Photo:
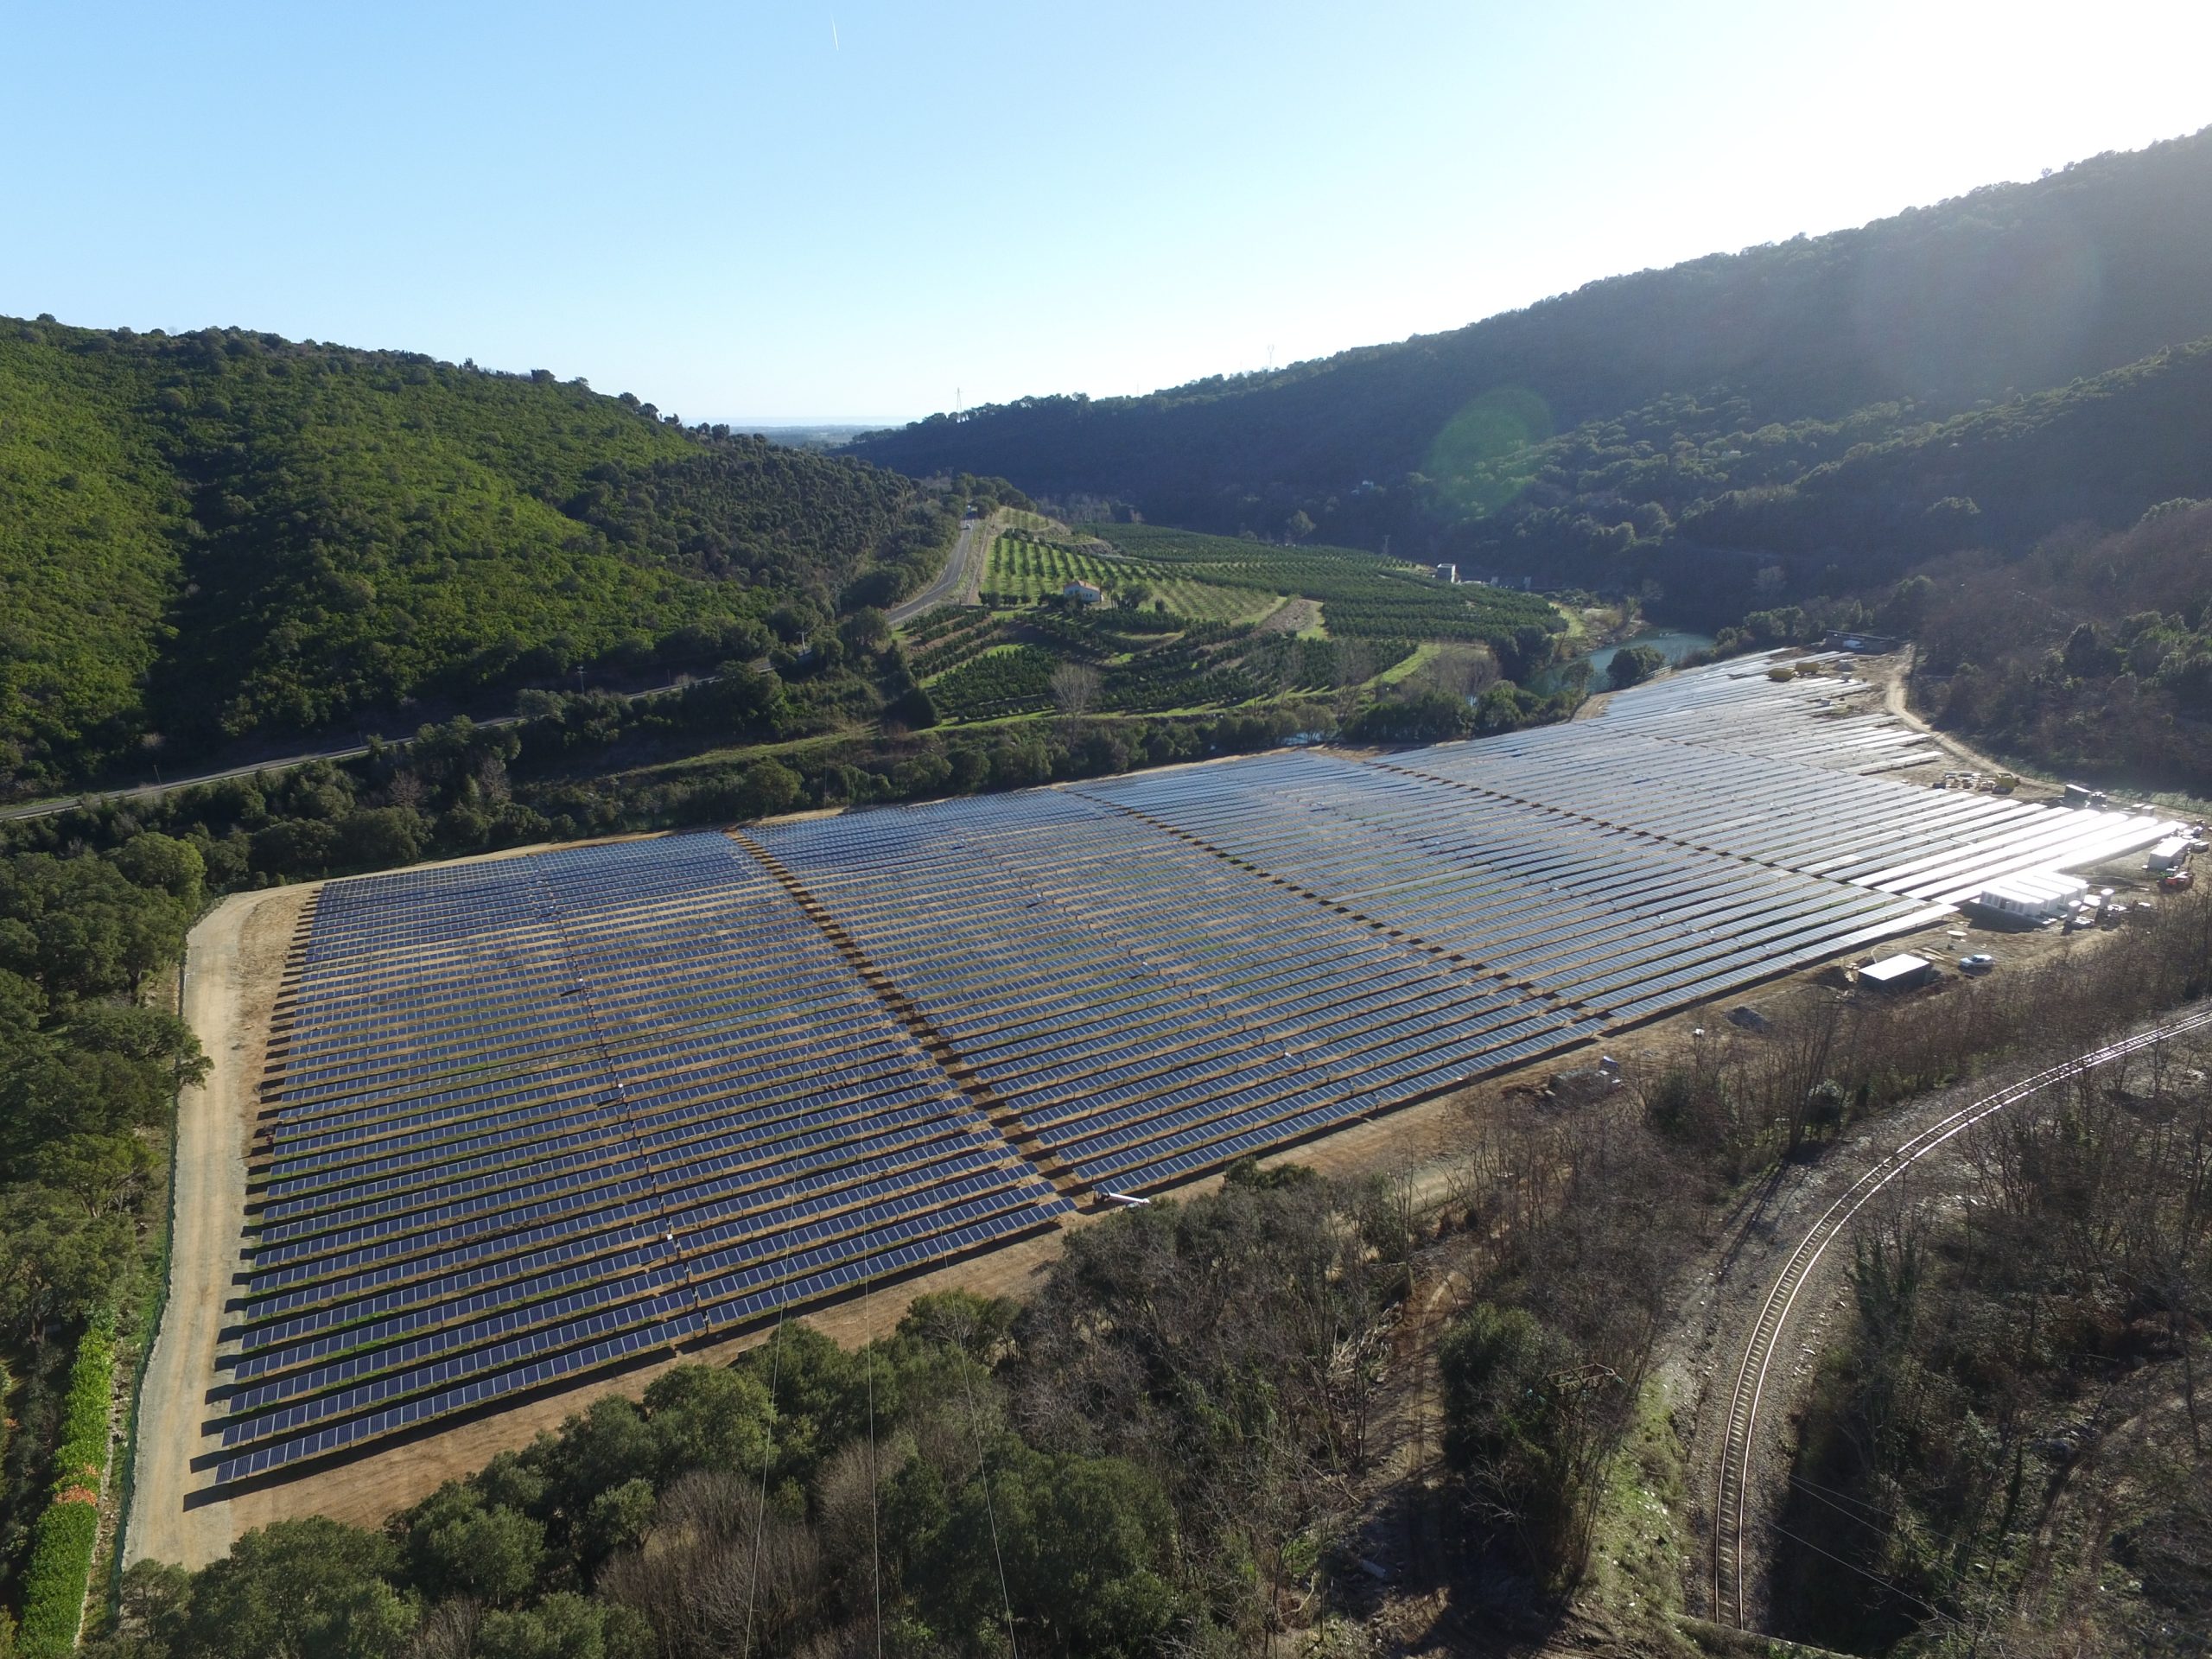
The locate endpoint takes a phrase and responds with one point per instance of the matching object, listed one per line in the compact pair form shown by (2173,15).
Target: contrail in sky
(833,47)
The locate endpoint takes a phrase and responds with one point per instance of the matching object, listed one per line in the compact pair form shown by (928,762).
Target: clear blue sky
(802,211)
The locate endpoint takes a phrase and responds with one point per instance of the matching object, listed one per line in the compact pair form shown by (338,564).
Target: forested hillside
(217,535)
(1695,426)
(2092,654)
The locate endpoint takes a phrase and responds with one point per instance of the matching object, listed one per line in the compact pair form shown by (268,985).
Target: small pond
(1672,644)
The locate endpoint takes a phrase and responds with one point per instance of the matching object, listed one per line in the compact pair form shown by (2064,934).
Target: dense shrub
(62,1544)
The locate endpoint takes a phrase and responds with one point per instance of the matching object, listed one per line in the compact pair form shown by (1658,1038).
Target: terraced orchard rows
(1026,567)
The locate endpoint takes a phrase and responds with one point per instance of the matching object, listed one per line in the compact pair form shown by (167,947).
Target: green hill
(1549,442)
(225,536)
(1709,524)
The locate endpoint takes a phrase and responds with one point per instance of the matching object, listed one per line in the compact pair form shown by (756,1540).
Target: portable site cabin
(2032,895)
(2169,854)
(1899,973)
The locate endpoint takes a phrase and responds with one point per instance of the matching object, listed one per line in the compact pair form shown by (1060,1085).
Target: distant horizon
(801,423)
(900,214)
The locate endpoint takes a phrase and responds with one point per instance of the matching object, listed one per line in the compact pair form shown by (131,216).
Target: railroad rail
(1729,1519)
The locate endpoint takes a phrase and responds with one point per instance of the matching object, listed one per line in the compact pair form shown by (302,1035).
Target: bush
(1424,717)
(62,1544)
(1633,665)
(54,1583)
(81,1458)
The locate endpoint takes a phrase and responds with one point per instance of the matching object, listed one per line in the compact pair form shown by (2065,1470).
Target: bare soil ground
(231,971)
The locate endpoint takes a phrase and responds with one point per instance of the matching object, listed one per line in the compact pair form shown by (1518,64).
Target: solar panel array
(1785,775)
(1142,1008)
(1617,924)
(538,1117)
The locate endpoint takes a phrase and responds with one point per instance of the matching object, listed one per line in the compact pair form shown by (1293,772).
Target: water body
(1672,644)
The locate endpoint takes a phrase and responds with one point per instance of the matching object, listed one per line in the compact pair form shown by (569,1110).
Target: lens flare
(1486,455)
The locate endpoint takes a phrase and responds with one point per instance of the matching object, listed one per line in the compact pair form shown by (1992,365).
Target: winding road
(1731,1508)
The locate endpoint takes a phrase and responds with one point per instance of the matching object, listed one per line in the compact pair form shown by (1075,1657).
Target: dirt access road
(231,969)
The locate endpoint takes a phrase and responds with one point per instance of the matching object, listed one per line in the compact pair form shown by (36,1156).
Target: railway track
(1729,1518)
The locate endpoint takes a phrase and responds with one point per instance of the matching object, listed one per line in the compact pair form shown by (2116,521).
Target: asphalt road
(962,573)
(282,763)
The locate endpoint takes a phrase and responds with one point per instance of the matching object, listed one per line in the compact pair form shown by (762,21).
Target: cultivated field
(1025,567)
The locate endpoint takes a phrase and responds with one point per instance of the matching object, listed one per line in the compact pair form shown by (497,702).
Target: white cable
(990,1514)
(760,1516)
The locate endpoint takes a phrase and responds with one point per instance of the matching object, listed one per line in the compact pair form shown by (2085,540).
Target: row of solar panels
(1670,781)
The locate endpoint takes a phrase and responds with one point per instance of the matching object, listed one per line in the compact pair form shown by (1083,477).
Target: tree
(455,1545)
(381,837)
(83,928)
(160,862)
(1075,688)
(294,847)
(309,1589)
(565,1626)
(1824,1107)
(914,708)
(866,632)
(107,1173)
(1085,1546)
(607,1444)
(1502,1420)
(1633,665)
(762,789)
(707,1417)
(55,1262)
